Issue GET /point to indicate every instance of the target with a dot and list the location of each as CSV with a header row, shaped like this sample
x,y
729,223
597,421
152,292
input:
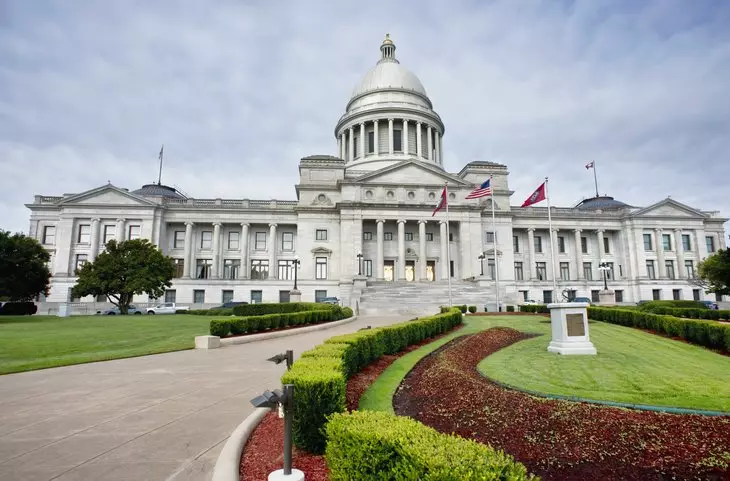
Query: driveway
x,y
160,417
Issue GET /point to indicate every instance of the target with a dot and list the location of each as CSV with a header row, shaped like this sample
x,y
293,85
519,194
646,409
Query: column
x,y
532,264
422,250
401,250
376,148
362,140
215,268
273,268
661,271
390,136
405,136
419,144
243,272
119,235
95,226
379,262
700,245
438,148
189,251
578,256
599,253
339,145
679,245
351,146
429,144
444,250
554,265
441,149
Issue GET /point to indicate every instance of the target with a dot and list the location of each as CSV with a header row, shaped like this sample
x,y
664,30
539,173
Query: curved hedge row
x,y
320,375
279,308
691,313
371,446
539,308
252,324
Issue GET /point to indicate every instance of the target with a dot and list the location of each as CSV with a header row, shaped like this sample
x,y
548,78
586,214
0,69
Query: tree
x,y
123,270
715,270
23,267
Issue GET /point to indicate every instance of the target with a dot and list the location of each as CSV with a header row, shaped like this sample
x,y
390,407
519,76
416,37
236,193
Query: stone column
x,y
554,265
679,245
243,272
600,254
189,251
376,149
429,142
441,149
119,235
532,268
362,140
419,144
405,136
401,250
351,146
379,262
273,268
339,145
438,149
444,250
215,268
422,250
390,136
661,271
578,256
700,245
95,226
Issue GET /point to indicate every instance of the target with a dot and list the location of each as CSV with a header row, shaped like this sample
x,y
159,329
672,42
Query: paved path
x,y
160,417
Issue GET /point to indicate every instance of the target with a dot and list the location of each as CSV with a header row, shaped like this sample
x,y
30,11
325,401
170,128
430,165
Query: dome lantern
x,y
388,50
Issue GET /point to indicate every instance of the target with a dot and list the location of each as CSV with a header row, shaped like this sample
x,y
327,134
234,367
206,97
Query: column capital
x,y
658,229
422,222
187,223
557,229
121,220
677,229
577,231
375,121
96,219
245,224
380,221
403,221
390,119
351,128
531,229
419,123
362,124
600,231
442,222
273,224
217,224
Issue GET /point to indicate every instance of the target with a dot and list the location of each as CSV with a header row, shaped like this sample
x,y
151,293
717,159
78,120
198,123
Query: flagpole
x,y
552,247
159,177
496,255
595,177
448,243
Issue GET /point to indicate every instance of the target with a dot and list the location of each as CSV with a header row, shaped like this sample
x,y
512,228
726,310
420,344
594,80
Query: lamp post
x,y
296,268
604,267
481,261
359,264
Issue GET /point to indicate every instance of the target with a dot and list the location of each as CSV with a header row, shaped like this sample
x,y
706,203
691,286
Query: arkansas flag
x,y
537,196
590,164
442,203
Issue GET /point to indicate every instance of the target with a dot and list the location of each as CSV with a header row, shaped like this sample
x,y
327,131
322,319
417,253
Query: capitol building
x,y
362,226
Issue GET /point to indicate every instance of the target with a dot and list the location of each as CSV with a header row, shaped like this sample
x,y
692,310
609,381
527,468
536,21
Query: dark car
x,y
710,305
228,305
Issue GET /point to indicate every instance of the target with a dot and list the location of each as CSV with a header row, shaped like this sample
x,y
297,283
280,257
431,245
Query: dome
x,y
601,202
159,190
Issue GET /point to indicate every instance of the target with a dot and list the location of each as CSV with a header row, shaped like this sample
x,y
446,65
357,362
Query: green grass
x,y
631,366
37,342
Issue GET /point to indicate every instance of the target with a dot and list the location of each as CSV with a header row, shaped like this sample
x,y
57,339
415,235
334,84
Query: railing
x,y
232,203
49,199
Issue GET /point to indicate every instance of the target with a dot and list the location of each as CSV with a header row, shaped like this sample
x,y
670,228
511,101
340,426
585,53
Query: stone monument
x,y
569,323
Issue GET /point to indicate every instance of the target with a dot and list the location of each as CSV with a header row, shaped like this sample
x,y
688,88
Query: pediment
x,y
669,208
410,172
321,251
106,195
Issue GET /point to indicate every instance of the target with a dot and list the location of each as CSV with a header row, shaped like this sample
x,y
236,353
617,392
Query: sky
x,y
239,91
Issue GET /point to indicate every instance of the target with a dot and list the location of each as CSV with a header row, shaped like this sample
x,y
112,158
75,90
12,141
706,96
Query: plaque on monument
x,y
575,325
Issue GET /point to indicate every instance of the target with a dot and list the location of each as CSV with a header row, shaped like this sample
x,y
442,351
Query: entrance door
x,y
410,271
388,268
430,270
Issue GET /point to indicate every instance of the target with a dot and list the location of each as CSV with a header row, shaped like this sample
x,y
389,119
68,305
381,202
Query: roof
x,y
601,202
159,190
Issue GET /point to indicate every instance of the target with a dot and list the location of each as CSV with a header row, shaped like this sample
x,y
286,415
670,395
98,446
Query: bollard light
x,y
287,356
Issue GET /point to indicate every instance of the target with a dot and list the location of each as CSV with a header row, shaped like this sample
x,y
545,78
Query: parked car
x,y
166,308
228,305
114,311
711,305
330,300
529,302
582,299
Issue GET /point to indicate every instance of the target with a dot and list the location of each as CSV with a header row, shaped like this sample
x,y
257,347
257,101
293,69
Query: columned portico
x,y
422,250
401,250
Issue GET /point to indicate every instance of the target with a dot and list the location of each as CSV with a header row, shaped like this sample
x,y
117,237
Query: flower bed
x,y
559,439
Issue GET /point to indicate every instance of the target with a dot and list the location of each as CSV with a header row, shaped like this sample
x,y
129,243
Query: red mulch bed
x,y
559,440
268,437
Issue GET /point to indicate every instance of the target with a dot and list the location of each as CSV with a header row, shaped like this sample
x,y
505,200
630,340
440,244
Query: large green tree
x,y
123,270
23,267
715,271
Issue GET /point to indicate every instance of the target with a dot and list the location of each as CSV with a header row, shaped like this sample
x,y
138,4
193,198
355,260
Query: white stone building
x,y
376,198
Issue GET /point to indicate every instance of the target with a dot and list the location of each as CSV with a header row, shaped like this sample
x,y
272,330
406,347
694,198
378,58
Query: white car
x,y
166,308
530,302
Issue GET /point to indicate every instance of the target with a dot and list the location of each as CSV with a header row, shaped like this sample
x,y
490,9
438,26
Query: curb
x,y
228,464
228,341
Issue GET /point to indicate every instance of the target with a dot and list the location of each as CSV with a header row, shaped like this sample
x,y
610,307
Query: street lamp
x,y
296,265
604,267
359,264
481,258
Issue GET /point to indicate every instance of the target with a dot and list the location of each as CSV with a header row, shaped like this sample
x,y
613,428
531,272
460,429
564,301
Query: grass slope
x,y
36,342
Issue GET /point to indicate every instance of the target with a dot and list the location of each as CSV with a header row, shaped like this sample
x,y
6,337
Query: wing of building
x,y
363,229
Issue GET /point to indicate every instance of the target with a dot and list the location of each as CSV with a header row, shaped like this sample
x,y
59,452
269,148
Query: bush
x,y
280,308
320,375
347,313
251,324
690,313
651,305
539,308
472,309
510,308
371,446
220,328
462,308
18,309
219,311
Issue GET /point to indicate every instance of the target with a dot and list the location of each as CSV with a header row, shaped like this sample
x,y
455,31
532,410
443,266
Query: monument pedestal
x,y
569,323
295,295
64,310
607,297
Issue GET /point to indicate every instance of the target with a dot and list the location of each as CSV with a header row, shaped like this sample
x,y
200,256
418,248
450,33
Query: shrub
x,y
539,308
251,324
472,309
347,313
444,309
371,446
220,328
280,308
690,313
651,305
510,308
18,309
462,308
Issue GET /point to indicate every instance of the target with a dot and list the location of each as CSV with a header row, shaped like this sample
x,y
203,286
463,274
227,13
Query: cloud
x,y
239,91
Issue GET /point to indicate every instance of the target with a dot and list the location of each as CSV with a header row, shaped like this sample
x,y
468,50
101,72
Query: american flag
x,y
482,191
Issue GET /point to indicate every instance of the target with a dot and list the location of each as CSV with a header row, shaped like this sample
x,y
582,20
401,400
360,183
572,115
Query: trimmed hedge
x,y
18,308
649,306
251,324
221,311
373,446
691,313
279,308
320,375
539,308
472,309
703,333
510,308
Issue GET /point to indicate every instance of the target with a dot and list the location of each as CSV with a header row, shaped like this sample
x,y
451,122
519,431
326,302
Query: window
x,y
234,241
650,272
519,275
320,268
206,239
256,297
179,239
286,269
388,236
231,268
49,235
619,295
656,294
202,268
198,296
284,296
561,244
584,245
398,140
525,295
81,259
610,274
100,298
259,269
367,236
669,265
109,233
648,242
689,266
170,295
594,296
367,267
490,237
541,272
84,236
588,271
515,244
696,294
287,241
606,245
538,243
565,271
319,295
409,236
667,242
677,294
133,232
429,236
686,243
226,296
547,297
451,237
710,242
321,234
371,142
179,268
260,241
491,269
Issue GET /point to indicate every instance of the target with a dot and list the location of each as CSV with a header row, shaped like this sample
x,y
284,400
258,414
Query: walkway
x,y
160,417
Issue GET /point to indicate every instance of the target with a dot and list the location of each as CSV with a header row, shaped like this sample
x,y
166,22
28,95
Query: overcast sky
x,y
239,91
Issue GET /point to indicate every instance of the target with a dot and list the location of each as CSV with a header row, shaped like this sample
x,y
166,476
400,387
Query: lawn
x,y
631,366
36,342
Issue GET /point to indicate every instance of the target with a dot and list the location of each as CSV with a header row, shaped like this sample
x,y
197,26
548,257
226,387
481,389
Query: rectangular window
x,y
371,142
81,259
133,232
541,272
367,236
226,296
198,296
584,245
667,242
696,294
84,236
320,234
260,241
206,239
287,241
648,242
670,269
179,239
656,294
538,243
525,295
286,269
619,295
518,271
429,236
451,269
49,235
231,268
650,272
388,236
109,233
515,244
257,297
202,268
677,294
234,241
588,271
409,236
689,266
490,237
710,242
606,245
451,237
547,297
171,295
179,268
561,244
594,296
610,274
491,268
320,268
284,296
259,269
686,243
319,295
367,267
565,271
398,140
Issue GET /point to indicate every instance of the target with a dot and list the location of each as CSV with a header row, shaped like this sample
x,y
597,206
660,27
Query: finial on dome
x,y
387,39
388,50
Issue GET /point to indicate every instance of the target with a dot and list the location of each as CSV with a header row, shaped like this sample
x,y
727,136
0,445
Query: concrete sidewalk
x,y
160,417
